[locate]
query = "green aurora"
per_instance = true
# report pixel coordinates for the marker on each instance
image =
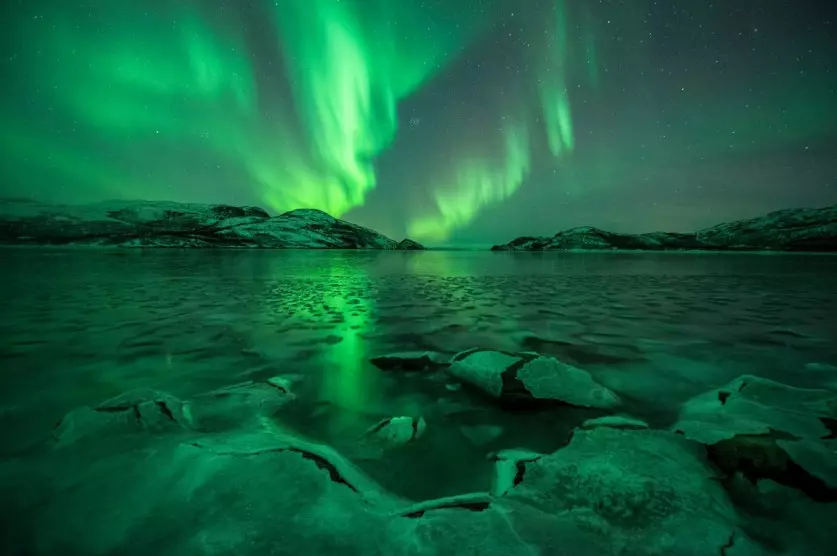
(293, 103)
(349, 64)
(141, 80)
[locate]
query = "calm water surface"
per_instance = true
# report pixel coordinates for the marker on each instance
(79, 326)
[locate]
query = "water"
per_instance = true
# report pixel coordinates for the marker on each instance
(80, 326)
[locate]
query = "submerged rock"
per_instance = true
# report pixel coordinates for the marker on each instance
(411, 361)
(783, 230)
(529, 378)
(168, 224)
(480, 435)
(766, 429)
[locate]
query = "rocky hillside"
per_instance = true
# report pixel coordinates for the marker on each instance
(783, 230)
(168, 224)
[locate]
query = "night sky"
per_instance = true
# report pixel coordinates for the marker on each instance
(448, 121)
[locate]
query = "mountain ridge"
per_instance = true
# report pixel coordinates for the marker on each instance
(790, 230)
(196, 225)
(189, 225)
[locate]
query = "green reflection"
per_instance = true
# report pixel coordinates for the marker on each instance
(348, 380)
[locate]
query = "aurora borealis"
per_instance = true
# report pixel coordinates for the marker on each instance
(452, 122)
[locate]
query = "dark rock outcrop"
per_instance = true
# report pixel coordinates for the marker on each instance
(809, 230)
(168, 224)
(411, 361)
(768, 430)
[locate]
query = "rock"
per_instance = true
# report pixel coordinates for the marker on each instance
(610, 491)
(484, 369)
(509, 468)
(784, 517)
(614, 421)
(647, 491)
(397, 431)
(136, 410)
(784, 230)
(224, 409)
(753, 405)
(411, 361)
(338, 469)
(410, 245)
(800, 464)
(818, 459)
(216, 495)
(548, 378)
(528, 378)
(767, 429)
(168, 224)
(225, 493)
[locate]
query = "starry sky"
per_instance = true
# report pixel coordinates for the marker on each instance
(452, 122)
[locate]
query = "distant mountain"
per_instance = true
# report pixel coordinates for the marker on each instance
(810, 230)
(410, 245)
(168, 224)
